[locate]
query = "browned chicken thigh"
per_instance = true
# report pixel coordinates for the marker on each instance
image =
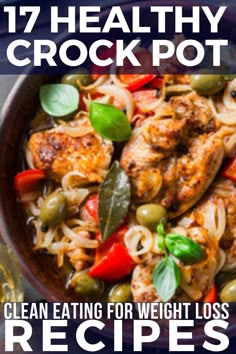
(195, 280)
(178, 150)
(217, 213)
(59, 153)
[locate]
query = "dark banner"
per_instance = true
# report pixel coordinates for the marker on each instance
(115, 327)
(56, 37)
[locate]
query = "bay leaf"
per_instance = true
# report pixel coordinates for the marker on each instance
(113, 200)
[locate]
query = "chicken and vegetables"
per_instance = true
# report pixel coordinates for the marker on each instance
(131, 179)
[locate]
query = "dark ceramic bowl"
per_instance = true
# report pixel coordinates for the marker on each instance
(19, 109)
(40, 269)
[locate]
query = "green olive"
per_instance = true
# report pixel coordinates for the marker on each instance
(87, 287)
(81, 74)
(223, 278)
(228, 293)
(229, 77)
(150, 214)
(54, 209)
(39, 119)
(207, 84)
(120, 293)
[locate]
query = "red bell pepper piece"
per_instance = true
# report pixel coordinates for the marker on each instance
(117, 237)
(27, 181)
(230, 170)
(112, 259)
(144, 99)
(211, 296)
(136, 77)
(135, 81)
(157, 83)
(115, 265)
(91, 206)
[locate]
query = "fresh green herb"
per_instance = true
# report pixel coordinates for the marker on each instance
(166, 278)
(59, 100)
(166, 274)
(160, 229)
(110, 122)
(113, 200)
(161, 243)
(184, 248)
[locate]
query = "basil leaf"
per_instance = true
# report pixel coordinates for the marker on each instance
(166, 278)
(110, 122)
(161, 243)
(113, 200)
(59, 100)
(160, 229)
(184, 248)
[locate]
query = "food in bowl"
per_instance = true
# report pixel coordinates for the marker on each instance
(124, 181)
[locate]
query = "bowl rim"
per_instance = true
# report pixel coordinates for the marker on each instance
(4, 229)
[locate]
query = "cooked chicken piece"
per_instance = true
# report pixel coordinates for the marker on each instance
(196, 279)
(217, 213)
(171, 147)
(197, 111)
(141, 284)
(59, 152)
(193, 174)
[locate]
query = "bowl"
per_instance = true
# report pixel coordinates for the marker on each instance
(17, 112)
(41, 270)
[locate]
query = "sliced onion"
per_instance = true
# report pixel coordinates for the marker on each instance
(76, 195)
(76, 132)
(121, 94)
(228, 118)
(215, 219)
(177, 89)
(178, 230)
(80, 240)
(34, 209)
(106, 99)
(135, 236)
(186, 222)
(82, 225)
(117, 81)
(210, 220)
(100, 80)
(221, 219)
(76, 128)
(29, 158)
(65, 182)
(43, 240)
